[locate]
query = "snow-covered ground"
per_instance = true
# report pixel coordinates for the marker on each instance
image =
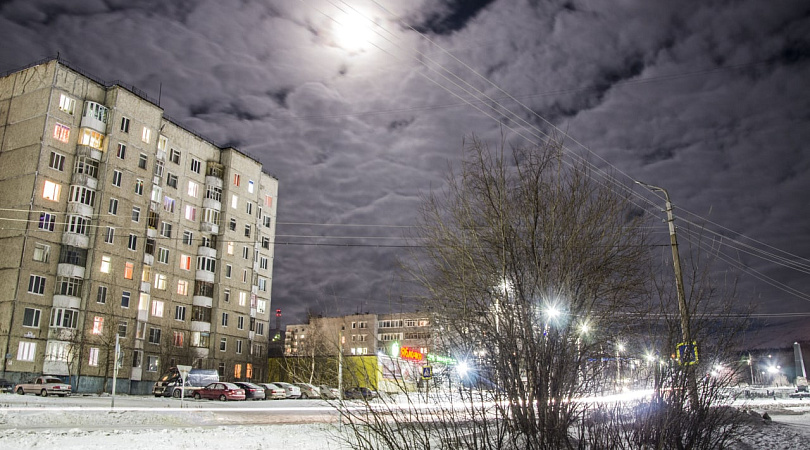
(29, 422)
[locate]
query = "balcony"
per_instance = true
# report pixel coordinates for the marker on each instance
(199, 352)
(75, 240)
(55, 367)
(79, 209)
(146, 287)
(90, 152)
(206, 251)
(161, 155)
(214, 169)
(70, 270)
(143, 315)
(207, 227)
(151, 233)
(210, 203)
(197, 325)
(62, 334)
(66, 301)
(95, 117)
(204, 275)
(251, 335)
(201, 300)
(83, 179)
(148, 259)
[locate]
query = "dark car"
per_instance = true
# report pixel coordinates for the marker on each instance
(221, 391)
(252, 391)
(6, 386)
(360, 393)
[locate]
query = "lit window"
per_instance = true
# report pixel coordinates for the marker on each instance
(61, 132)
(193, 189)
(178, 338)
(242, 298)
(160, 282)
(234, 201)
(157, 308)
(146, 275)
(26, 351)
(51, 191)
(191, 213)
(236, 179)
(129, 269)
(67, 104)
(163, 143)
(250, 186)
(105, 264)
(268, 201)
(168, 204)
(230, 247)
(98, 325)
(91, 138)
(93, 361)
(41, 252)
(182, 287)
(185, 262)
(146, 136)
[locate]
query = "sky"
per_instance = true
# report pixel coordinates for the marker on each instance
(359, 107)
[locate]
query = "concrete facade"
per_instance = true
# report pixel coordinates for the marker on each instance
(116, 221)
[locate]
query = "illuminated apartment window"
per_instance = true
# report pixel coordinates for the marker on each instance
(236, 179)
(157, 308)
(163, 143)
(51, 191)
(98, 325)
(146, 275)
(129, 270)
(250, 186)
(91, 138)
(105, 264)
(67, 104)
(168, 204)
(242, 298)
(160, 282)
(182, 287)
(193, 189)
(146, 136)
(191, 213)
(268, 201)
(185, 262)
(234, 201)
(178, 338)
(61, 132)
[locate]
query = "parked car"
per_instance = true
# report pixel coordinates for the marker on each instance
(170, 383)
(252, 391)
(329, 392)
(308, 390)
(274, 391)
(360, 393)
(44, 386)
(6, 386)
(291, 390)
(221, 391)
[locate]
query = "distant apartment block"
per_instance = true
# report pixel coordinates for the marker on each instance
(116, 222)
(361, 334)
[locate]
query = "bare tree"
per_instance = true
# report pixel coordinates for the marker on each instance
(536, 271)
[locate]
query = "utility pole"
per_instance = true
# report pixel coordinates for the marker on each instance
(682, 307)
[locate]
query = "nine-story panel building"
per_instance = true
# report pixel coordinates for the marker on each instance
(116, 221)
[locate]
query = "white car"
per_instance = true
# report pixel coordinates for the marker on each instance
(291, 390)
(308, 390)
(329, 392)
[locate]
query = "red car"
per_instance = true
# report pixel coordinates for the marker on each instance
(221, 391)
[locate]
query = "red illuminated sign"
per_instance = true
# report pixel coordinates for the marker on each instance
(411, 354)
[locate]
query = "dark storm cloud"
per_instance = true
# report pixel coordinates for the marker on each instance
(707, 99)
(450, 15)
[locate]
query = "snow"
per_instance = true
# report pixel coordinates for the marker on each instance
(88, 422)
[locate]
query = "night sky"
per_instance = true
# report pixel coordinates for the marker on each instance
(708, 99)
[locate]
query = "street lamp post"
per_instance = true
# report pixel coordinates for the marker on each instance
(682, 307)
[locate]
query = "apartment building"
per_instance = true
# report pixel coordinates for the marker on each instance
(361, 334)
(119, 225)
